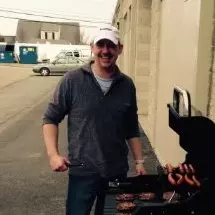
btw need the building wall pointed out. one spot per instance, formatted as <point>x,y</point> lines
<point>204,56</point>
<point>139,23</point>
<point>167,43</point>
<point>70,33</point>
<point>134,21</point>
<point>30,32</point>
<point>149,121</point>
<point>177,66</point>
<point>211,104</point>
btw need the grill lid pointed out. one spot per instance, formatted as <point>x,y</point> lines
<point>196,132</point>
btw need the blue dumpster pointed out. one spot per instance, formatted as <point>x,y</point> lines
<point>28,54</point>
<point>6,57</point>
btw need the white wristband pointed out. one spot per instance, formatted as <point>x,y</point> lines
<point>139,161</point>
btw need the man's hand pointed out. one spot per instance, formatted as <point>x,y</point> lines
<point>59,163</point>
<point>140,170</point>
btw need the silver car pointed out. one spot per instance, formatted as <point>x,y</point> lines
<point>60,65</point>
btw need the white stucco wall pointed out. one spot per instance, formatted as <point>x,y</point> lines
<point>175,50</point>
<point>180,48</point>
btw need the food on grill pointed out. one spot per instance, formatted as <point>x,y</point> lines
<point>147,196</point>
<point>187,170</point>
<point>125,206</point>
<point>171,179</point>
<point>180,178</point>
<point>169,168</point>
<point>196,181</point>
<point>125,197</point>
<point>189,180</point>
<point>171,196</point>
<point>191,168</point>
<point>168,195</point>
<point>181,168</point>
<point>175,179</point>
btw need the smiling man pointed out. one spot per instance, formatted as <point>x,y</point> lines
<point>106,48</point>
<point>100,102</point>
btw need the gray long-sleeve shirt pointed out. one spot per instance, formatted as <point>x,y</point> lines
<point>98,124</point>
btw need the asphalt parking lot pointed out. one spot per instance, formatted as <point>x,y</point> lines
<point>10,73</point>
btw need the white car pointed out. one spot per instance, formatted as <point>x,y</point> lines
<point>60,65</point>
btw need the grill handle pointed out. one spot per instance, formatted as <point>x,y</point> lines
<point>181,96</point>
<point>116,183</point>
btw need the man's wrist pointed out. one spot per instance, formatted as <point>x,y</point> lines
<point>139,161</point>
<point>51,155</point>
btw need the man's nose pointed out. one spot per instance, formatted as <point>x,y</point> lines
<point>105,48</point>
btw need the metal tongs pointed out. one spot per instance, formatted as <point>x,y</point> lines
<point>170,199</point>
<point>116,183</point>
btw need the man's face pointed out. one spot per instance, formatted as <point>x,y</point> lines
<point>106,53</point>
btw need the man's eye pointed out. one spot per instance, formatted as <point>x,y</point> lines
<point>105,44</point>
<point>100,45</point>
<point>111,45</point>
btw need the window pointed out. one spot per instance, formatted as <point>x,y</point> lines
<point>69,54</point>
<point>9,48</point>
<point>46,35</point>
<point>72,60</point>
<point>53,35</point>
<point>76,54</point>
<point>31,49</point>
<point>49,35</point>
<point>61,61</point>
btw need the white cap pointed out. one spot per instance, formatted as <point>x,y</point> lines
<point>108,32</point>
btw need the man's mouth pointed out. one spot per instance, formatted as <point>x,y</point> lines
<point>106,56</point>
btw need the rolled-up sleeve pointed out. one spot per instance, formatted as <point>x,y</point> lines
<point>132,125</point>
<point>59,105</point>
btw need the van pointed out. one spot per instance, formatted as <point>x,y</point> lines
<point>84,54</point>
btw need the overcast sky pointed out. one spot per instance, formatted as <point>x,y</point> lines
<point>90,10</point>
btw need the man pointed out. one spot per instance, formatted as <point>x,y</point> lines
<point>100,102</point>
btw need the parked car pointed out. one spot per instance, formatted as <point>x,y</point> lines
<point>83,54</point>
<point>60,65</point>
<point>79,53</point>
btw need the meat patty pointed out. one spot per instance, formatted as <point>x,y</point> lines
<point>171,196</point>
<point>125,197</point>
<point>147,196</point>
<point>125,206</point>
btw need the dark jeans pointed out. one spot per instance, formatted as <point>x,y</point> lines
<point>82,192</point>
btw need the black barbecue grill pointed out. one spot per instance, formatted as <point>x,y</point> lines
<point>196,136</point>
